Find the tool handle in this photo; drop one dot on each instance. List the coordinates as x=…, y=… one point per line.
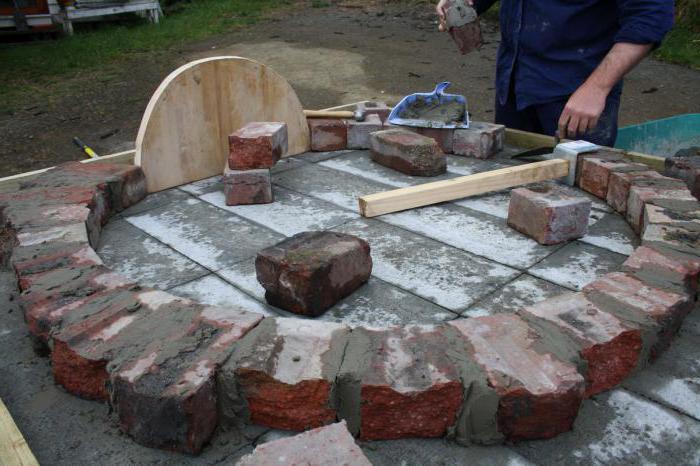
x=328, y=114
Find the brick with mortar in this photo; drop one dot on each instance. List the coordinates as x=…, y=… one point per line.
x=595, y=174
x=619, y=185
x=686, y=169
x=481, y=140
x=679, y=274
x=640, y=195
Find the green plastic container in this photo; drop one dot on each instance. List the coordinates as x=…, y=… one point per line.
x=662, y=137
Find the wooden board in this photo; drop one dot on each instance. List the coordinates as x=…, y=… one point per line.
x=457, y=188
x=183, y=135
x=14, y=450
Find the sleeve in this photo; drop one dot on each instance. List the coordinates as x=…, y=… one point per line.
x=482, y=5
x=644, y=21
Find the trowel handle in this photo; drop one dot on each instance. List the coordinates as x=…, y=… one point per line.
x=440, y=88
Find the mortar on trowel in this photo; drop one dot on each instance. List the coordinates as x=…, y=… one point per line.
x=463, y=26
x=431, y=110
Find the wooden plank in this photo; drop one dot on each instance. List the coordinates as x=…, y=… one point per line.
x=350, y=107
x=527, y=140
x=654, y=161
x=183, y=135
x=14, y=450
x=457, y=188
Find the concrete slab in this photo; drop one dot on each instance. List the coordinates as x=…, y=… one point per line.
x=155, y=200
x=495, y=204
x=314, y=157
x=243, y=275
x=137, y=256
x=472, y=231
x=577, y=264
x=523, y=291
x=619, y=427
x=214, y=291
x=289, y=214
x=444, y=275
x=613, y=233
x=204, y=186
x=208, y=235
x=463, y=166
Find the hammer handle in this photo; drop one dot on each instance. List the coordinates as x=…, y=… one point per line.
x=329, y=114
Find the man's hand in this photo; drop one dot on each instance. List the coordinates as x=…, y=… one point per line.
x=582, y=111
x=442, y=13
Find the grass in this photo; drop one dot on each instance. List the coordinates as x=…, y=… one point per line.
x=28, y=68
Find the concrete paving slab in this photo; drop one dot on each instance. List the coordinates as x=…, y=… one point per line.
x=243, y=275
x=155, y=200
x=204, y=186
x=137, y=256
x=214, y=291
x=619, y=427
x=287, y=163
x=523, y=291
x=613, y=233
x=495, y=204
x=692, y=322
x=463, y=166
x=577, y=264
x=289, y=214
x=208, y=235
x=444, y=275
x=314, y=157
x=379, y=304
x=475, y=232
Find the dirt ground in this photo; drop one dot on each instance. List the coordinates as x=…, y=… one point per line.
x=333, y=55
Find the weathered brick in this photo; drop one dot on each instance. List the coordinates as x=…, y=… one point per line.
x=463, y=26
x=658, y=313
x=359, y=131
x=640, y=195
x=443, y=136
x=257, y=145
x=595, y=174
x=283, y=374
x=657, y=215
x=166, y=396
x=328, y=134
x=664, y=271
x=242, y=187
x=672, y=240
x=549, y=214
x=609, y=347
x=66, y=255
x=619, y=185
x=610, y=154
x=389, y=373
x=329, y=445
x=408, y=152
x=538, y=394
x=311, y=271
x=481, y=140
x=686, y=169
x=71, y=233
x=375, y=108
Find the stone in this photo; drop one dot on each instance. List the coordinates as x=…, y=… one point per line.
x=538, y=394
x=640, y=195
x=374, y=108
x=282, y=374
x=481, y=140
x=657, y=313
x=595, y=174
x=686, y=168
x=609, y=347
x=244, y=187
x=359, y=131
x=328, y=135
x=663, y=270
x=329, y=445
x=257, y=145
x=311, y=271
x=549, y=214
x=619, y=185
x=389, y=373
x=408, y=152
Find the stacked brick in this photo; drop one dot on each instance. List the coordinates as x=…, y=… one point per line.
x=253, y=150
x=174, y=370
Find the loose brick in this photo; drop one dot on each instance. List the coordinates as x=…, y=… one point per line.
x=679, y=274
x=463, y=26
x=375, y=108
x=538, y=394
x=257, y=145
x=658, y=313
x=595, y=174
x=242, y=187
x=359, y=131
x=481, y=140
x=686, y=169
x=619, y=185
x=328, y=134
x=389, y=373
x=327, y=445
x=408, y=152
x=311, y=271
x=549, y=214
x=443, y=136
x=284, y=372
x=166, y=396
x=609, y=347
x=640, y=195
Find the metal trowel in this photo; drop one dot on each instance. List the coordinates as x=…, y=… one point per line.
x=432, y=110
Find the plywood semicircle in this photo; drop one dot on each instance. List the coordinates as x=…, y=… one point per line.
x=183, y=135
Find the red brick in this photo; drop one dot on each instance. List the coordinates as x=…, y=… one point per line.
x=397, y=371
x=311, y=271
x=443, y=136
x=641, y=195
x=330, y=445
x=657, y=215
x=359, y=131
x=375, y=108
x=257, y=145
x=463, y=26
x=658, y=313
x=66, y=255
x=595, y=174
x=539, y=395
x=242, y=187
x=663, y=270
x=408, y=152
x=609, y=347
x=612, y=155
x=328, y=135
x=481, y=140
x=285, y=371
x=549, y=214
x=619, y=187
x=672, y=240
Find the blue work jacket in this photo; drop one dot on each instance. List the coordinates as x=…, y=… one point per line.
x=550, y=47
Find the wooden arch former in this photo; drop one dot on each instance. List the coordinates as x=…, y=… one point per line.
x=183, y=135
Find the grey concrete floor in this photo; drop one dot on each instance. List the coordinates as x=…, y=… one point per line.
x=433, y=264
